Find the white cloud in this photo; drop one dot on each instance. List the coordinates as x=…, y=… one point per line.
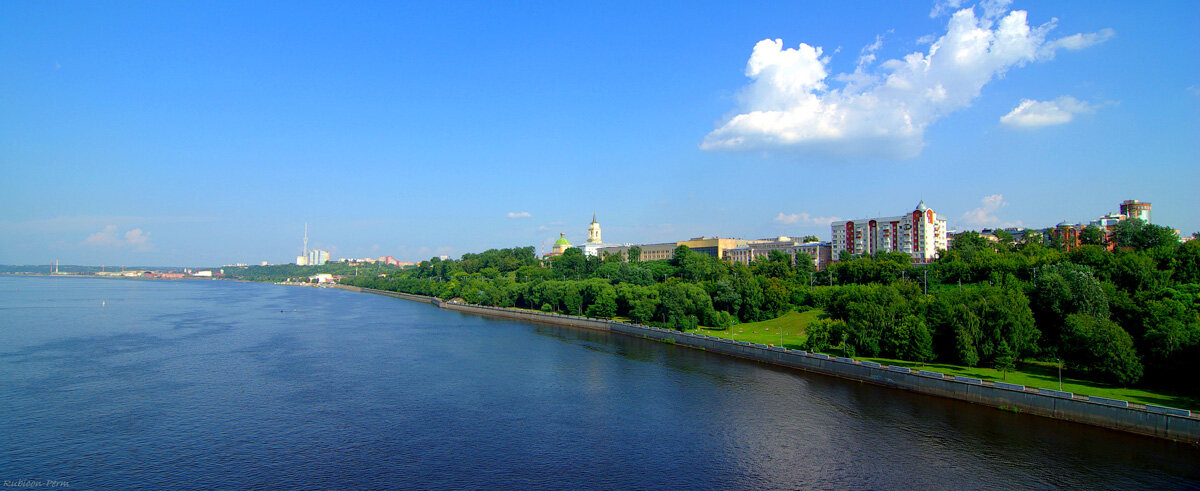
x=804, y=219
x=519, y=214
x=945, y=7
x=1081, y=40
x=881, y=110
x=109, y=237
x=985, y=215
x=1036, y=114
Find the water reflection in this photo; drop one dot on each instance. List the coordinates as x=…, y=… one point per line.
x=209, y=384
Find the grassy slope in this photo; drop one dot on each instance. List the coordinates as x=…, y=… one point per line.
x=1045, y=375
x=767, y=332
x=1030, y=373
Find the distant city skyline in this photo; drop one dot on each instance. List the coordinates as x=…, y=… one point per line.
x=199, y=135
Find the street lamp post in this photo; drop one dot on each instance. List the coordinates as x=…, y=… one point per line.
x=1060, y=374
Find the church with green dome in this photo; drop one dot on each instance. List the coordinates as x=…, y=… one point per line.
x=590, y=248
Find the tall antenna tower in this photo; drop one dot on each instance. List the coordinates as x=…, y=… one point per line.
x=305, y=239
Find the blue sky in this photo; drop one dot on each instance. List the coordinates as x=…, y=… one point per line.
x=172, y=134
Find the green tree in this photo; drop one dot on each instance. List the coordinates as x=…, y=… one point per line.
x=1187, y=262
x=1034, y=238
x=908, y=339
x=970, y=241
x=635, y=254
x=820, y=335
x=571, y=264
x=1091, y=235
x=1139, y=235
x=1100, y=348
x=775, y=297
x=604, y=304
x=1005, y=360
x=1061, y=290
x=1004, y=240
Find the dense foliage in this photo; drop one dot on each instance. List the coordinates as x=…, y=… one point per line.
x=292, y=272
x=1126, y=316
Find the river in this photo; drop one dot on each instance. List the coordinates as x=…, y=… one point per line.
x=215, y=384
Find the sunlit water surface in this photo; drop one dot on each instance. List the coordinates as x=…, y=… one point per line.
x=190, y=384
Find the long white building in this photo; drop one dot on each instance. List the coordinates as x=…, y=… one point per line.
x=921, y=234
x=817, y=252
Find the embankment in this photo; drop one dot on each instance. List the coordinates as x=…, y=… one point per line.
x=1157, y=421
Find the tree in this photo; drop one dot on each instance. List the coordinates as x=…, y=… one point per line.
x=1034, y=238
x=1004, y=239
x=1187, y=262
x=1091, y=235
x=820, y=335
x=1061, y=290
x=1005, y=360
x=908, y=340
x=970, y=241
x=775, y=265
x=1170, y=334
x=1139, y=235
x=635, y=254
x=604, y=305
x=572, y=263
x=811, y=238
x=1100, y=348
x=775, y=297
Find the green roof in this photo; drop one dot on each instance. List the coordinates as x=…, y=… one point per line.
x=562, y=241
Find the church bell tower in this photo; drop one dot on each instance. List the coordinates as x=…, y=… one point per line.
x=593, y=234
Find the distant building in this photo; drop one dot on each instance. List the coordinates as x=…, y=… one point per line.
x=820, y=253
x=1133, y=208
x=1067, y=234
x=321, y=278
x=712, y=246
x=560, y=246
x=389, y=260
x=920, y=234
x=594, y=244
x=301, y=260
x=317, y=257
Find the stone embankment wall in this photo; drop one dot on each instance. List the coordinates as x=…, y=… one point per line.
x=1157, y=421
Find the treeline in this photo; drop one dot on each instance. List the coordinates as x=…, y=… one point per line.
x=1131, y=315
x=690, y=290
x=286, y=272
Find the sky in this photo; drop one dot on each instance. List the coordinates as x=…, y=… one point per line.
x=208, y=133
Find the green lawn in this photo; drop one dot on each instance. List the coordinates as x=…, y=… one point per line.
x=1045, y=375
x=767, y=332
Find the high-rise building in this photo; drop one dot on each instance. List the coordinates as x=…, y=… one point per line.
x=1133, y=208
x=317, y=257
x=920, y=234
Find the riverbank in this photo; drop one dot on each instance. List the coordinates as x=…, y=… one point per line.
x=1157, y=421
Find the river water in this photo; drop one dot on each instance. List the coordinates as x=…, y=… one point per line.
x=207, y=384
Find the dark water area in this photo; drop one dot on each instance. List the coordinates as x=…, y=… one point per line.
x=206, y=384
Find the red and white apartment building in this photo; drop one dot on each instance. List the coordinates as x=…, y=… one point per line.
x=921, y=234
